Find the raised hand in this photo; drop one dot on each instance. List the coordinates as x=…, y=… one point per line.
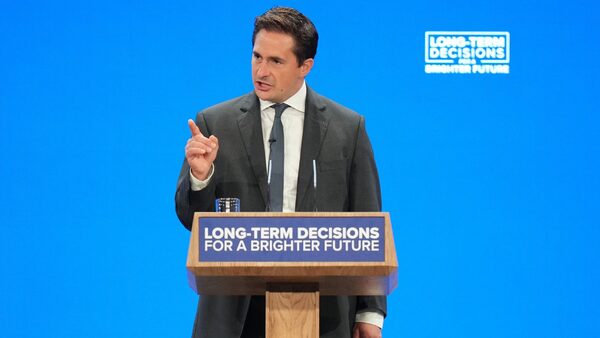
x=200, y=151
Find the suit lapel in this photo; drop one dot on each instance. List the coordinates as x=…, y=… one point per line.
x=251, y=132
x=316, y=120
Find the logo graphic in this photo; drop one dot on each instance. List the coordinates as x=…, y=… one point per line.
x=467, y=52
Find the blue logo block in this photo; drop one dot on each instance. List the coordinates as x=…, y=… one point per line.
x=467, y=52
x=291, y=239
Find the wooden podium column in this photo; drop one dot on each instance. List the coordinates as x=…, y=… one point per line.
x=292, y=310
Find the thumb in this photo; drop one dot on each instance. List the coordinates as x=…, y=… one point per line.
x=214, y=140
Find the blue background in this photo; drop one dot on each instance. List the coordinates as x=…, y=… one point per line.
x=492, y=180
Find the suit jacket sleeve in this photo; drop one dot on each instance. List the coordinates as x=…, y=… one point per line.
x=365, y=195
x=364, y=189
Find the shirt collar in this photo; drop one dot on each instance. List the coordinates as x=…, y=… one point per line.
x=296, y=101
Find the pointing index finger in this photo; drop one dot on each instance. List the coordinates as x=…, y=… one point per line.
x=194, y=128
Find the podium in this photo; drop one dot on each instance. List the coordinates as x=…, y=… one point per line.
x=292, y=259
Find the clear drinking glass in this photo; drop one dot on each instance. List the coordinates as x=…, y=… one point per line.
x=227, y=204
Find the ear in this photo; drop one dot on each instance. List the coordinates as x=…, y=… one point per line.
x=306, y=66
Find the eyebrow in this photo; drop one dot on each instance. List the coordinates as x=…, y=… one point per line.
x=270, y=58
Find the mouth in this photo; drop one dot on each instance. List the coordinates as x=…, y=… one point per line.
x=262, y=85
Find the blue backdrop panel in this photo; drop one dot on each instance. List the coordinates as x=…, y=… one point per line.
x=491, y=180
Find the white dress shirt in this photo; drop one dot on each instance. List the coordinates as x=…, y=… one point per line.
x=293, y=125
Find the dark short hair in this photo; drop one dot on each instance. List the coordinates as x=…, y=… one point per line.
x=290, y=21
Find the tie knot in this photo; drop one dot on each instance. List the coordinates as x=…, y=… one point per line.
x=279, y=108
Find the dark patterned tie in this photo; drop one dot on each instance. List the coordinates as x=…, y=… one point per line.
x=276, y=159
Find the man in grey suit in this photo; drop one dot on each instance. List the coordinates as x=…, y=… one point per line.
x=231, y=148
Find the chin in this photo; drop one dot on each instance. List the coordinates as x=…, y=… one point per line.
x=263, y=96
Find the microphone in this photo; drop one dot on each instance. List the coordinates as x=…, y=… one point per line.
x=271, y=141
x=269, y=185
x=314, y=165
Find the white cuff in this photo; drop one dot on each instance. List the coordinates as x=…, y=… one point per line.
x=197, y=184
x=370, y=317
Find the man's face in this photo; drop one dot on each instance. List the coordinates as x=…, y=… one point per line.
x=275, y=71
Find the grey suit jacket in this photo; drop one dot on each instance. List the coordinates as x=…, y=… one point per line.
x=336, y=138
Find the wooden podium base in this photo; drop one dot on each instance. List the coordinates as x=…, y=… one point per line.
x=292, y=311
x=291, y=287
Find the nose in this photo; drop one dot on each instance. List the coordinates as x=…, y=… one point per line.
x=262, y=70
